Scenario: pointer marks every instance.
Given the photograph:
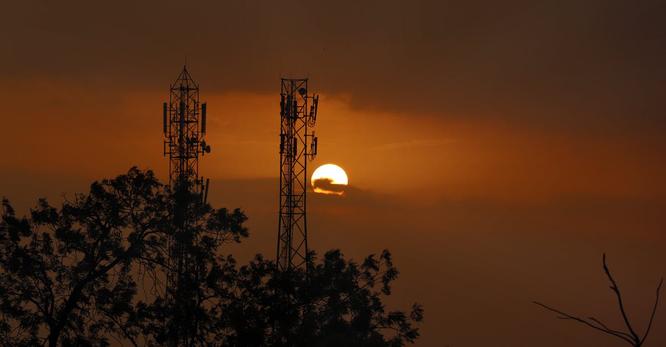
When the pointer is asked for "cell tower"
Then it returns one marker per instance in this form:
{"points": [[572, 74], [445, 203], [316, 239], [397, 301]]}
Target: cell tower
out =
{"points": [[298, 144], [184, 127]]}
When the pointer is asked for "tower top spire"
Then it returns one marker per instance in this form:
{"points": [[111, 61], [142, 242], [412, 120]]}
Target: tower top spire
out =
{"points": [[184, 128]]}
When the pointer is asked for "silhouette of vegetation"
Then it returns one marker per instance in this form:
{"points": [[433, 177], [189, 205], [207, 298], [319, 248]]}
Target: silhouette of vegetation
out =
{"points": [[96, 269], [630, 335], [65, 273], [187, 312], [338, 302]]}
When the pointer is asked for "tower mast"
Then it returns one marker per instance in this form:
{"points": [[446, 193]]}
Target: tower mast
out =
{"points": [[298, 144], [184, 128]]}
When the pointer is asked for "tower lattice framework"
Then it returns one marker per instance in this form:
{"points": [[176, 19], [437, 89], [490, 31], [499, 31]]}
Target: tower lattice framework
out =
{"points": [[184, 127], [298, 144]]}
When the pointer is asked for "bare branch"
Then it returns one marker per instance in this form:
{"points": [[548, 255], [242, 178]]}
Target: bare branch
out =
{"points": [[630, 336], [618, 295], [592, 324], [654, 311], [607, 328]]}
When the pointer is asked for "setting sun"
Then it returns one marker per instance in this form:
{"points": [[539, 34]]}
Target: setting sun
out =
{"points": [[329, 179]]}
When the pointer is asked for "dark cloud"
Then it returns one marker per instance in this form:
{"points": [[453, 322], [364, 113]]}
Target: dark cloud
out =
{"points": [[577, 64], [326, 186]]}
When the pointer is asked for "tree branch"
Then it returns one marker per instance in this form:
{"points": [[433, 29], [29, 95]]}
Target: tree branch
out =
{"points": [[618, 295], [654, 311], [630, 337], [598, 326]]}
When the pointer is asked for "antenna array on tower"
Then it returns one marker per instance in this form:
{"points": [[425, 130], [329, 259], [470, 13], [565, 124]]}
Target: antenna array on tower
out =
{"points": [[184, 127]]}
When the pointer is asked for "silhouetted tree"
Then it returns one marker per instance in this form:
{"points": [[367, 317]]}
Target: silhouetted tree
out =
{"points": [[336, 303], [630, 335], [187, 313], [70, 276], [65, 272]]}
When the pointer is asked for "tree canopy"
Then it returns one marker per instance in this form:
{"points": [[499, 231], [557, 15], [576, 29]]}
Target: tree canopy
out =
{"points": [[96, 269]]}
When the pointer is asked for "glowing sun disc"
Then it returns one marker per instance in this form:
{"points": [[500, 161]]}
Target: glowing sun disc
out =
{"points": [[332, 173]]}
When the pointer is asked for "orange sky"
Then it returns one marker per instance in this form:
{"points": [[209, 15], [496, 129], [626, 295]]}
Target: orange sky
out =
{"points": [[70, 130], [498, 148]]}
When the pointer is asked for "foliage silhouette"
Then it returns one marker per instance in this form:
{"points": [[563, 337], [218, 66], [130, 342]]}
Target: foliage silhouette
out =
{"points": [[630, 336], [72, 276], [337, 302], [186, 313], [65, 273]]}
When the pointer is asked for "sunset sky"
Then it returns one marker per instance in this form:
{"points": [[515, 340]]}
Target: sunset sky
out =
{"points": [[497, 148]]}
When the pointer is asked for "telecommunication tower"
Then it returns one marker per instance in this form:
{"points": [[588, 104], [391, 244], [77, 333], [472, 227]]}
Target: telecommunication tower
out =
{"points": [[184, 128], [298, 144]]}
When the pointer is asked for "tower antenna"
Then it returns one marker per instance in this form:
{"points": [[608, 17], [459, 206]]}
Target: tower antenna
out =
{"points": [[184, 128]]}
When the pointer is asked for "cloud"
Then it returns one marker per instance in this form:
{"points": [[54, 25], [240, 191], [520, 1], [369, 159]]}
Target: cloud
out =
{"points": [[326, 186], [412, 144], [594, 65]]}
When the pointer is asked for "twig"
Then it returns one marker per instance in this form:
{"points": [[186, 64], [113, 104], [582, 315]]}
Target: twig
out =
{"points": [[616, 290], [563, 315]]}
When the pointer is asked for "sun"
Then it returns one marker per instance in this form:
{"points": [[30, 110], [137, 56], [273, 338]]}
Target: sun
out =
{"points": [[329, 179]]}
